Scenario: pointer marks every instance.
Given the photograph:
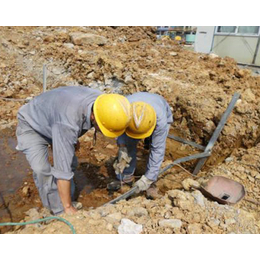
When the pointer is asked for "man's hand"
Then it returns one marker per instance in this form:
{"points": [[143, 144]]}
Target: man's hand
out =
{"points": [[70, 210], [143, 184]]}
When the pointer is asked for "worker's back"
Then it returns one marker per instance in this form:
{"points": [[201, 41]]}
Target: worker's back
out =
{"points": [[69, 106], [160, 105]]}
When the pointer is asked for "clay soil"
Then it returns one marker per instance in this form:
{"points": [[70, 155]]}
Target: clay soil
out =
{"points": [[124, 60]]}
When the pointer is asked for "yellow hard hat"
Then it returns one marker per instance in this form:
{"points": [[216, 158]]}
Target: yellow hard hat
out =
{"points": [[112, 113], [143, 120]]}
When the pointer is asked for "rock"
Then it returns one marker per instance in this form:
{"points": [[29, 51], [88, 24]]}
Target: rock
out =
{"points": [[177, 213], [248, 95], [94, 222], [109, 227], [171, 223], [199, 198], [105, 211], [8, 93], [242, 107], [129, 227], [173, 53], [68, 45], [91, 75], [224, 226], [253, 173], [212, 75], [113, 218], [184, 204], [100, 157], [49, 38], [87, 139], [213, 223], [87, 38], [194, 228], [153, 193], [251, 178], [190, 183], [33, 214], [240, 73], [138, 212], [229, 159], [209, 126], [110, 146], [213, 55], [181, 199], [26, 190], [167, 215], [177, 194], [230, 221], [24, 82], [128, 79], [29, 98], [77, 205]]}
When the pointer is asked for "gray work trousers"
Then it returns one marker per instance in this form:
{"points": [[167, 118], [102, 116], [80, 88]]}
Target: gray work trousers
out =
{"points": [[35, 147]]}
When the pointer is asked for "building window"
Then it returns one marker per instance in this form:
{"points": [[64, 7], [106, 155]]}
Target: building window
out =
{"points": [[238, 30], [248, 29], [226, 29]]}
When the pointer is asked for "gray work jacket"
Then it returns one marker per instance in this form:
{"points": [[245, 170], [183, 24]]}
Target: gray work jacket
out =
{"points": [[62, 115], [163, 120]]}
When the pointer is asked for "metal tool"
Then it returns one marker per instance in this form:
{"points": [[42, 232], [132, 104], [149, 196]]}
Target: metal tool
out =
{"points": [[180, 160], [217, 131], [44, 78]]}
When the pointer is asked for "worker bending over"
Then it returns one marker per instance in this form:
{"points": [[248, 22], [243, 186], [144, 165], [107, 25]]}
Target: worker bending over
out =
{"points": [[151, 117], [58, 118]]}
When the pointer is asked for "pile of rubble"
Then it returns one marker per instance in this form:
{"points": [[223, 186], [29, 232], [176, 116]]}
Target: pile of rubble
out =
{"points": [[178, 212]]}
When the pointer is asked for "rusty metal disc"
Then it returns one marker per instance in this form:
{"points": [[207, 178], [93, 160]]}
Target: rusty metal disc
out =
{"points": [[223, 190]]}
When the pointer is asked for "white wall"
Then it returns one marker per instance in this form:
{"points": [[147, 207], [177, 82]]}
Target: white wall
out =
{"points": [[241, 48], [204, 37]]}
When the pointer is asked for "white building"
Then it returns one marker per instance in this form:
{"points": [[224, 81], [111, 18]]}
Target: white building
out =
{"points": [[239, 42]]}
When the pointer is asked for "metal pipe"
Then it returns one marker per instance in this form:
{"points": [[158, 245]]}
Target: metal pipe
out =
{"points": [[256, 50], [44, 78], [213, 37], [179, 139], [180, 160], [217, 131]]}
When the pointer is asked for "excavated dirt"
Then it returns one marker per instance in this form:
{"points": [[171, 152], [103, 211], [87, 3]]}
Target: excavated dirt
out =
{"points": [[124, 60]]}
